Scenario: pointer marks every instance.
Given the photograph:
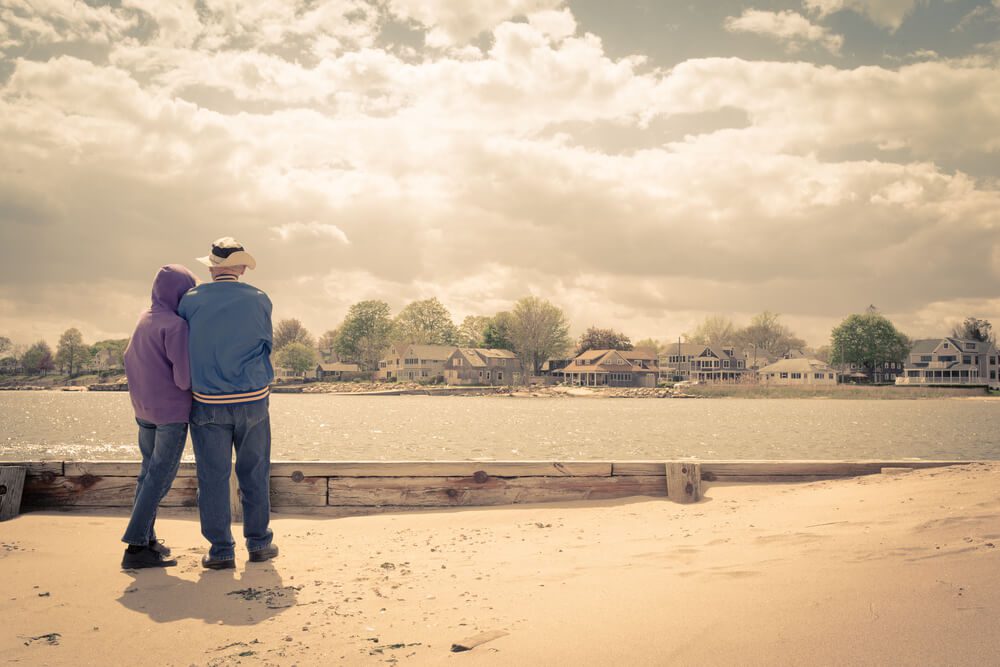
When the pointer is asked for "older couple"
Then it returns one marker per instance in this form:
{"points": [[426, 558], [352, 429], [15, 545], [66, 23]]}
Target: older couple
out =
{"points": [[201, 355]]}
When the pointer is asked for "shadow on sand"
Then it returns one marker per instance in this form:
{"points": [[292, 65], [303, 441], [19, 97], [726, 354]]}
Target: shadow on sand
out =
{"points": [[231, 597]]}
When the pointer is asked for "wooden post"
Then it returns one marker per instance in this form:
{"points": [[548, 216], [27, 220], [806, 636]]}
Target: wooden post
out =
{"points": [[683, 481], [11, 486], [235, 504]]}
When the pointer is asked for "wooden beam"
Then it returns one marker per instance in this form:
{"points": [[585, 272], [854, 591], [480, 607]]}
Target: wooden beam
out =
{"points": [[90, 491], [442, 468], [118, 468], [683, 481], [33, 468], [467, 491], [11, 487], [298, 492]]}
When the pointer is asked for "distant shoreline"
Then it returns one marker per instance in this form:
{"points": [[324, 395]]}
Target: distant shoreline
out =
{"points": [[838, 392]]}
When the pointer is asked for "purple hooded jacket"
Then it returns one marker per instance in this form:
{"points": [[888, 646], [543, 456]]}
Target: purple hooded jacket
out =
{"points": [[156, 359]]}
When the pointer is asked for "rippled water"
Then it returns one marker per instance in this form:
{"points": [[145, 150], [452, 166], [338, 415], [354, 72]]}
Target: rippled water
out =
{"points": [[62, 425]]}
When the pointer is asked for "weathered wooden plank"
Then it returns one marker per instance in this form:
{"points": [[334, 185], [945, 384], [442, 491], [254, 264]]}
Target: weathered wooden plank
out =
{"points": [[442, 468], [118, 468], [33, 468], [298, 492], [467, 491], [766, 479], [771, 467], [91, 491], [683, 481], [11, 486]]}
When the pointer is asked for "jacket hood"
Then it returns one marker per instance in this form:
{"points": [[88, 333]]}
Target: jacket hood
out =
{"points": [[170, 284]]}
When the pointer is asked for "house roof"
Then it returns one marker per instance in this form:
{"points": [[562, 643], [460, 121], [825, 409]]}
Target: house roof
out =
{"points": [[338, 366], [800, 365], [495, 353], [601, 366], [432, 352]]}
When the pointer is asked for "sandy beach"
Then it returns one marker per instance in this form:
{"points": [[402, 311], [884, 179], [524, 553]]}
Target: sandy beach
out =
{"points": [[886, 569]]}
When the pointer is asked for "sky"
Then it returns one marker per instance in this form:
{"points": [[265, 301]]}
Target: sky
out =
{"points": [[641, 164]]}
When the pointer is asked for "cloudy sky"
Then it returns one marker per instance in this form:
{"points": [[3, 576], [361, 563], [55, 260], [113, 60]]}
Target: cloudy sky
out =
{"points": [[641, 164]]}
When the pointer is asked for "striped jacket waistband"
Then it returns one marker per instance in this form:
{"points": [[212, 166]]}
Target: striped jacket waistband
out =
{"points": [[226, 399]]}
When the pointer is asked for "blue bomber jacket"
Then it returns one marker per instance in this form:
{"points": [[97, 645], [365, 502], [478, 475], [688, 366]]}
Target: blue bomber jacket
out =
{"points": [[230, 342]]}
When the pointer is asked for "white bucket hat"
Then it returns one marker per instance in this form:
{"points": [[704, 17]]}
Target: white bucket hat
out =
{"points": [[227, 251]]}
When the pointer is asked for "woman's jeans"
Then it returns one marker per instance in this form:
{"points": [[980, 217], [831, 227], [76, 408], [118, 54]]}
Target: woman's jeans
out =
{"points": [[215, 431], [161, 446]]}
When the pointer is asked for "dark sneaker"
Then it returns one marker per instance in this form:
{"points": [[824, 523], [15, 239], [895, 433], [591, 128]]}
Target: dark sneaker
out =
{"points": [[261, 555], [223, 564], [145, 558], [159, 547]]}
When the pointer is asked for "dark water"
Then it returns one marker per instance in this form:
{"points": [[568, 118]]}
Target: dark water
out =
{"points": [[62, 425]]}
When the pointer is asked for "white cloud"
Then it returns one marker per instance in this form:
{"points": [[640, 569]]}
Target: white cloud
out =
{"points": [[463, 175], [310, 230], [454, 23], [788, 27], [885, 13]]}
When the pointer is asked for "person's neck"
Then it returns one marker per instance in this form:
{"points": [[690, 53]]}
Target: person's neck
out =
{"points": [[225, 278]]}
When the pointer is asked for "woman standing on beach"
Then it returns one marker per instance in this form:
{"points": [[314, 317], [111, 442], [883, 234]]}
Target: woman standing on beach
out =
{"points": [[159, 384]]}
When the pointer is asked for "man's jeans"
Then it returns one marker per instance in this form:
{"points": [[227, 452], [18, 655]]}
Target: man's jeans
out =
{"points": [[215, 431], [161, 446]]}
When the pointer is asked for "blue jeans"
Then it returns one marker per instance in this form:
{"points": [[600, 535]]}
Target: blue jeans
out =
{"points": [[215, 431], [161, 446]]}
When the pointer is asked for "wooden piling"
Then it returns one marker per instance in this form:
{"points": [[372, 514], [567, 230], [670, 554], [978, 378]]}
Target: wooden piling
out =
{"points": [[683, 481], [11, 486]]}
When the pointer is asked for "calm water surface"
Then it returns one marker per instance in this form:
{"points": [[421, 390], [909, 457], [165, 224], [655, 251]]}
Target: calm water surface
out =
{"points": [[63, 425]]}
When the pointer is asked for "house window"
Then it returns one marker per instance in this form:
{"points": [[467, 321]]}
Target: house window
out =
{"points": [[818, 376], [487, 375], [993, 361], [945, 346], [725, 364], [381, 364], [500, 376], [783, 376], [970, 346], [796, 376], [412, 362], [993, 375], [966, 359], [424, 373], [458, 362], [480, 375], [926, 357], [946, 357]]}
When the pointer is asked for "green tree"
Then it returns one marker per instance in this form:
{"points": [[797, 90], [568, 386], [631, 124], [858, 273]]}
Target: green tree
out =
{"points": [[327, 345], [365, 333], [715, 331], [868, 339], [111, 352], [766, 332], [5, 344], [973, 328], [71, 352], [472, 332], [425, 322], [539, 331], [650, 345], [496, 335], [291, 331], [595, 338], [298, 357], [38, 358]]}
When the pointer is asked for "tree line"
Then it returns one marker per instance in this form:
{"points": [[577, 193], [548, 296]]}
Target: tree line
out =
{"points": [[534, 329]]}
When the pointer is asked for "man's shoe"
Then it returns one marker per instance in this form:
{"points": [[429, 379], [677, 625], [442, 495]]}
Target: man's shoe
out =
{"points": [[159, 547], [223, 564], [261, 555], [144, 558]]}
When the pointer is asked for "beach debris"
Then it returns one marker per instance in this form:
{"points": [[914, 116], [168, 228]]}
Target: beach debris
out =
{"points": [[280, 597], [477, 640], [44, 595], [50, 638]]}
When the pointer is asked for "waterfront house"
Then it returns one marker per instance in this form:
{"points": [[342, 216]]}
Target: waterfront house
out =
{"points": [[704, 363], [415, 363], [798, 372], [951, 362], [338, 371], [480, 366], [611, 368], [884, 372]]}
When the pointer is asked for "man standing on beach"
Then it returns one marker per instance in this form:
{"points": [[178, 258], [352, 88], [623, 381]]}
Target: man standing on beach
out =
{"points": [[231, 374]]}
